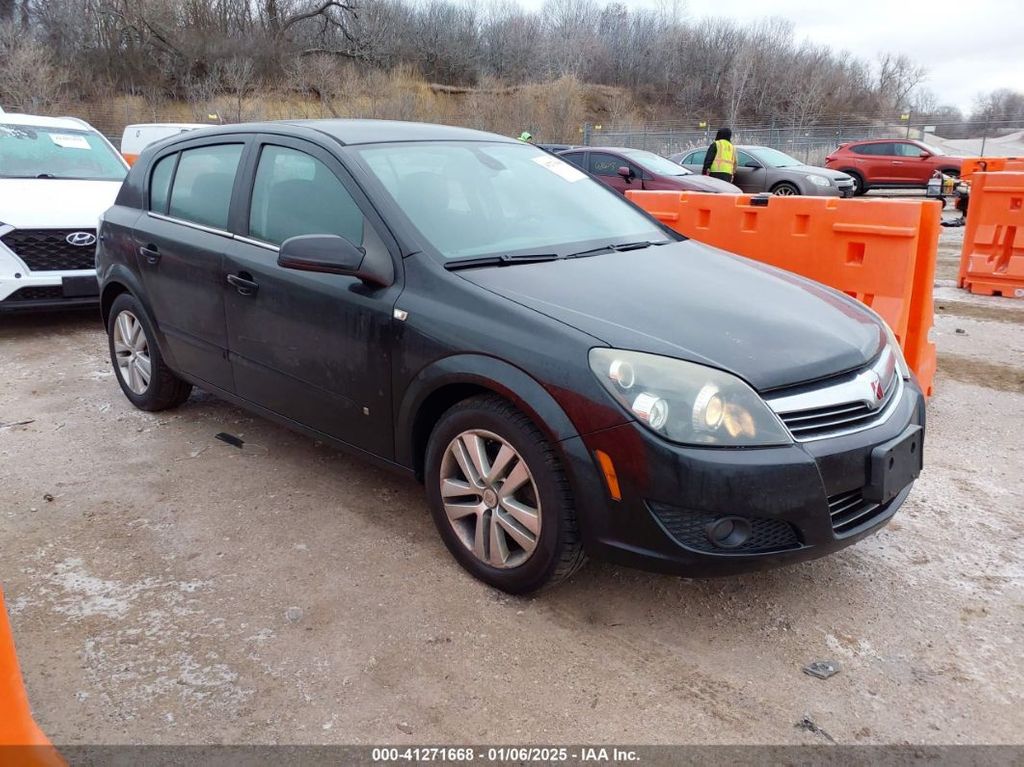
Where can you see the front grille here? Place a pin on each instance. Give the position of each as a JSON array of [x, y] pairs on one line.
[[38, 293], [850, 511], [840, 407], [47, 250], [690, 529]]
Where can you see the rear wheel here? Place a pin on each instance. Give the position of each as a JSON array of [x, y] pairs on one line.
[[500, 498], [141, 371]]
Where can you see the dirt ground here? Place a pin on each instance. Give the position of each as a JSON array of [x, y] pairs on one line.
[[165, 587]]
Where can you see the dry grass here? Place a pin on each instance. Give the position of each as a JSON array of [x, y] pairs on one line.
[[552, 111]]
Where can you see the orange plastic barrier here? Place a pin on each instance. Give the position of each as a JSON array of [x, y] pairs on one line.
[[992, 259], [974, 165], [881, 252], [22, 743]]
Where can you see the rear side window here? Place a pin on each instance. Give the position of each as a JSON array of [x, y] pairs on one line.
[[873, 149], [295, 194], [576, 158], [160, 183], [203, 184]]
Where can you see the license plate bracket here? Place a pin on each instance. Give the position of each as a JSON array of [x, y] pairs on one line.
[[895, 464], [80, 287]]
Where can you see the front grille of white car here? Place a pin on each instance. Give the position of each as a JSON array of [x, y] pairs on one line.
[[48, 250]]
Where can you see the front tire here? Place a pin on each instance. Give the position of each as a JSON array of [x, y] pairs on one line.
[[141, 371], [785, 189], [858, 183], [500, 498]]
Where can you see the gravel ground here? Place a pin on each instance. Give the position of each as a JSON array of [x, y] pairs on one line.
[[165, 587]]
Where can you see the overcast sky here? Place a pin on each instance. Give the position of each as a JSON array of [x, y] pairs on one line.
[[967, 46]]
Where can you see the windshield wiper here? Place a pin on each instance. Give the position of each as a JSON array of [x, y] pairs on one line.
[[639, 245], [507, 259]]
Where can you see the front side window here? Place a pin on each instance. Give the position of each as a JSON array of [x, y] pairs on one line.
[[773, 158], [602, 164], [295, 194], [696, 158], [203, 184], [909, 150], [478, 198], [34, 152]]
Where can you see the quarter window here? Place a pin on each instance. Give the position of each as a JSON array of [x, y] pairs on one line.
[[295, 194], [203, 184], [160, 183]]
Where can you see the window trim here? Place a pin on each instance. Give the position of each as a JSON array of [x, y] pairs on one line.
[[170, 182]]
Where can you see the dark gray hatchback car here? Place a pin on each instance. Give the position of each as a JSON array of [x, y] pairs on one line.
[[565, 375]]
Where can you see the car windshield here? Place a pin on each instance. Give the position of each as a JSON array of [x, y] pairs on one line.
[[478, 198], [773, 158], [29, 151], [656, 163]]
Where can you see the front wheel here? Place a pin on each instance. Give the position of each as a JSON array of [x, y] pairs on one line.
[[785, 189], [141, 371], [500, 498]]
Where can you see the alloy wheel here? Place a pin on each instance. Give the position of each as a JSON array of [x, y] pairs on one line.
[[490, 498], [785, 191], [131, 348]]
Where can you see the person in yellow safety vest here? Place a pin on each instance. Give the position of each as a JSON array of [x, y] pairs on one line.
[[720, 159]]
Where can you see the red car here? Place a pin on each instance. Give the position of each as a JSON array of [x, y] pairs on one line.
[[623, 169], [891, 163]]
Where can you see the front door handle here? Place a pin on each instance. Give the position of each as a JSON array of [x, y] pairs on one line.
[[150, 253], [244, 283]]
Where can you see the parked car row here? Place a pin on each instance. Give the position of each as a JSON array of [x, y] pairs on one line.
[[565, 374]]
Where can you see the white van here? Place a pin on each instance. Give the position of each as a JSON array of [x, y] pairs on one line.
[[137, 137]]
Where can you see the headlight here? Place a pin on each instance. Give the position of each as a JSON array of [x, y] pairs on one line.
[[688, 403], [901, 362], [818, 180]]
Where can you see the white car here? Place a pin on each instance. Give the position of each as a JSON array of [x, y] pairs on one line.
[[140, 135], [57, 176]]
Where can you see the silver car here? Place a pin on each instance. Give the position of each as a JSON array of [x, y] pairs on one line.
[[762, 169]]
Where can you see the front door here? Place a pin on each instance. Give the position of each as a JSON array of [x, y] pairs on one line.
[[606, 167], [181, 241], [315, 348], [750, 175]]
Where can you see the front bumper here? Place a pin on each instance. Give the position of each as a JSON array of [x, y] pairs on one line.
[[793, 497]]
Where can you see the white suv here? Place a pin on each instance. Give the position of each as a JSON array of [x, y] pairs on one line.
[[57, 175]]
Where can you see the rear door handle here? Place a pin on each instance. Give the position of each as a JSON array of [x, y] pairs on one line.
[[243, 283], [150, 253]]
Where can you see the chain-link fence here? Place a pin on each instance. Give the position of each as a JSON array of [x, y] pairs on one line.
[[810, 143]]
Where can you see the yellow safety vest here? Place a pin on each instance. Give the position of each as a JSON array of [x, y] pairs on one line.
[[725, 157]]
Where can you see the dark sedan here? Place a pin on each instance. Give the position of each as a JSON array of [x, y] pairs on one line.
[[762, 169], [566, 375]]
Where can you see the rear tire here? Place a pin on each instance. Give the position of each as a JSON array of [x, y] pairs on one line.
[[141, 371], [516, 540]]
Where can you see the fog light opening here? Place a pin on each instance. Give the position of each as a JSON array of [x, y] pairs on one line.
[[728, 532]]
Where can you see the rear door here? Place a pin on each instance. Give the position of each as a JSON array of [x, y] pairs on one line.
[[882, 162], [181, 243], [315, 348]]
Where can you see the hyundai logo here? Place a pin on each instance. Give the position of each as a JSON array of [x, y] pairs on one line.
[[81, 239]]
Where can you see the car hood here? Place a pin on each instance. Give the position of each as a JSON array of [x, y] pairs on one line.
[[50, 203], [698, 183], [815, 170], [690, 301]]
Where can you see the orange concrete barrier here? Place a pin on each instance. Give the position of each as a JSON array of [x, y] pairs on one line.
[[974, 165], [22, 743], [881, 252], [992, 259]]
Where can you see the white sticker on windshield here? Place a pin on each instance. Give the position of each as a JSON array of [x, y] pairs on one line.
[[69, 141], [560, 168]]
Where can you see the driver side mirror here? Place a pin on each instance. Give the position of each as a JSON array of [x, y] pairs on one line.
[[331, 254], [924, 154], [626, 173], [751, 164]]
